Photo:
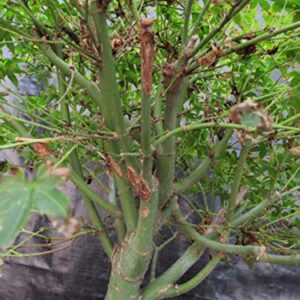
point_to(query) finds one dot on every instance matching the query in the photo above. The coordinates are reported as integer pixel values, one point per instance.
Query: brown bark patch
(144, 212)
(147, 54)
(133, 177)
(113, 167)
(144, 191)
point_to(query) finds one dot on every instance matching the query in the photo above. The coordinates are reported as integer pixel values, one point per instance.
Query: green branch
(187, 183)
(200, 17)
(183, 288)
(174, 272)
(263, 37)
(233, 12)
(167, 151)
(192, 127)
(258, 252)
(259, 208)
(112, 111)
(237, 178)
(187, 14)
(108, 207)
(251, 42)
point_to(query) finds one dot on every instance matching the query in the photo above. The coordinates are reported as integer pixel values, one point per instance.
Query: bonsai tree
(180, 102)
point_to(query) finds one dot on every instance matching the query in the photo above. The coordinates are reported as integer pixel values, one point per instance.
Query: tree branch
(258, 252)
(237, 179)
(183, 288)
(199, 19)
(196, 126)
(232, 12)
(108, 207)
(186, 184)
(187, 14)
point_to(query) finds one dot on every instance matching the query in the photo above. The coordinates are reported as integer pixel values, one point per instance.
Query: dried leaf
(266, 123)
(208, 60)
(295, 151)
(241, 108)
(249, 114)
(69, 228)
(41, 149)
(192, 42)
(219, 52)
(217, 2)
(116, 43)
(64, 173)
(228, 42)
(246, 51)
(242, 193)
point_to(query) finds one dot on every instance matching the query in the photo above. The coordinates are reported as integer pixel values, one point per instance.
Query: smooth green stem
(67, 70)
(105, 239)
(77, 170)
(192, 127)
(65, 114)
(233, 12)
(296, 117)
(280, 126)
(167, 151)
(108, 207)
(258, 209)
(237, 178)
(21, 130)
(253, 41)
(128, 204)
(187, 14)
(20, 120)
(173, 273)
(112, 105)
(28, 140)
(263, 37)
(133, 7)
(113, 113)
(157, 110)
(183, 288)
(155, 256)
(199, 19)
(187, 183)
(96, 220)
(35, 21)
(258, 252)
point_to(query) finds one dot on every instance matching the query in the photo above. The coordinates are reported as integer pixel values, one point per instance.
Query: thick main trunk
(130, 260)
(128, 270)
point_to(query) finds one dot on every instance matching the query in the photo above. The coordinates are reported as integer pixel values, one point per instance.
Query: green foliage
(19, 197)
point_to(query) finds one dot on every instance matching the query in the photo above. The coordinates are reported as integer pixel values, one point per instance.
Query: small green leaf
(51, 202)
(250, 120)
(15, 208)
